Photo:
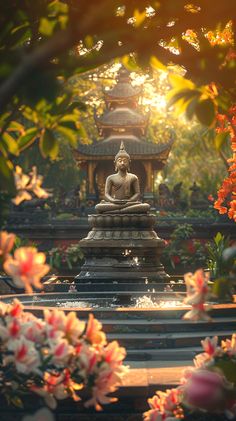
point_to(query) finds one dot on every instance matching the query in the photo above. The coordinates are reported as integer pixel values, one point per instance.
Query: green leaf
(7, 182)
(205, 111)
(182, 95)
(69, 117)
(220, 140)
(139, 17)
(15, 125)
(46, 26)
(228, 368)
(222, 288)
(130, 63)
(69, 134)
(17, 402)
(156, 64)
(48, 144)
(27, 138)
(218, 238)
(6, 167)
(82, 132)
(180, 82)
(11, 144)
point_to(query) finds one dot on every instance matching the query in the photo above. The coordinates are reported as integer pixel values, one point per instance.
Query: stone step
(115, 287)
(164, 326)
(129, 313)
(163, 341)
(160, 356)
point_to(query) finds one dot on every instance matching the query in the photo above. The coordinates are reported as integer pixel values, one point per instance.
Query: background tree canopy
(46, 42)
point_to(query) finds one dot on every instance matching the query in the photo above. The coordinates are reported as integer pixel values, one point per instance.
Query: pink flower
(210, 346)
(57, 387)
(164, 406)
(55, 318)
(11, 331)
(114, 354)
(6, 243)
(204, 390)
(16, 308)
(211, 350)
(94, 333)
(27, 267)
(106, 382)
(73, 327)
(34, 330)
(60, 351)
(88, 360)
(25, 356)
(197, 293)
(69, 324)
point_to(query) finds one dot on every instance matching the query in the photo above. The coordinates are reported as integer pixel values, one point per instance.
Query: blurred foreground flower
(28, 184)
(6, 243)
(26, 268)
(209, 386)
(197, 294)
(54, 360)
(164, 406)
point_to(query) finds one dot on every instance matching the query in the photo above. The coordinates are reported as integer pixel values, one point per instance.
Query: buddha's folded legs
(107, 207)
(139, 208)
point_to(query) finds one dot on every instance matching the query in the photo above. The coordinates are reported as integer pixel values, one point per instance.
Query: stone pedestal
(122, 247)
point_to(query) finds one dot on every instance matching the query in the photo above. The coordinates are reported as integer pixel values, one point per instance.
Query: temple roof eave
(137, 150)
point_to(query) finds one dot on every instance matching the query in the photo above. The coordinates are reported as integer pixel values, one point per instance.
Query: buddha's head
(122, 159)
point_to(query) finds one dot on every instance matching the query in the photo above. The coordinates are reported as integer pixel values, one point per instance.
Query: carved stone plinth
(122, 247)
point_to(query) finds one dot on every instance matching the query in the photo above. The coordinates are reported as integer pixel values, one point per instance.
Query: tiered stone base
(122, 247)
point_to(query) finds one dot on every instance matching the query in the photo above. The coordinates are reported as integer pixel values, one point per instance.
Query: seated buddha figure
(122, 191)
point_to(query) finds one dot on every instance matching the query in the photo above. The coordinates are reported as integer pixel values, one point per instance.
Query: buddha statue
(122, 191)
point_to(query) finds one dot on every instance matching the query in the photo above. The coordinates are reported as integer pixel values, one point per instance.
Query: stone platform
(122, 246)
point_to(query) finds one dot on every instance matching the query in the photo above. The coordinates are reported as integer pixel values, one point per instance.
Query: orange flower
(6, 243)
(94, 333)
(27, 268)
(226, 195)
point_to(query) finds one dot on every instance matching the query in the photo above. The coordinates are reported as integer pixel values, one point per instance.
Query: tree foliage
(45, 42)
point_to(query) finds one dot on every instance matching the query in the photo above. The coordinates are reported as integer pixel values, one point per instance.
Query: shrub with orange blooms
(226, 202)
(208, 387)
(56, 356)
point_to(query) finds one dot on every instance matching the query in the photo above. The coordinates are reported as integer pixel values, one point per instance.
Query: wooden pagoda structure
(122, 121)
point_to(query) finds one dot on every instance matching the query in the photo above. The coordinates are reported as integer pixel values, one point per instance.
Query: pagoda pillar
(149, 183)
(91, 168)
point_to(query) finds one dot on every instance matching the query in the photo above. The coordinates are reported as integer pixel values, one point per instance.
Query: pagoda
(122, 121)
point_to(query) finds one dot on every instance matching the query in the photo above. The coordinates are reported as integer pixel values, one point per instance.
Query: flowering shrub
(183, 250)
(226, 202)
(65, 256)
(209, 386)
(56, 356)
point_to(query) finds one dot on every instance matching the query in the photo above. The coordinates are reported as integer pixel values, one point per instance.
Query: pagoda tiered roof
(123, 89)
(122, 117)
